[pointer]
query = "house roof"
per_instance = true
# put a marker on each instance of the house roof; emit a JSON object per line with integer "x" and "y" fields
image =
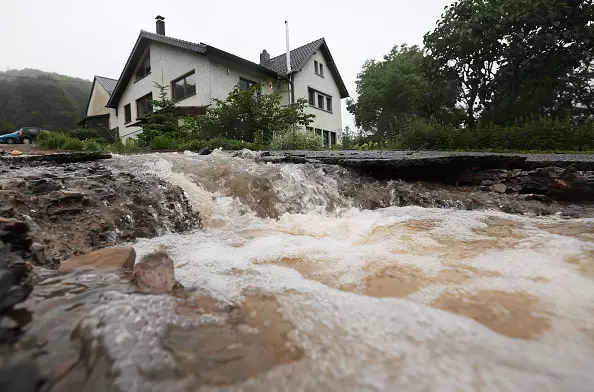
{"x": 107, "y": 83}
{"x": 301, "y": 55}
{"x": 299, "y": 58}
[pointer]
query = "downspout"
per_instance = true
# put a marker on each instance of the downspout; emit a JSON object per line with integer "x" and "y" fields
{"x": 289, "y": 77}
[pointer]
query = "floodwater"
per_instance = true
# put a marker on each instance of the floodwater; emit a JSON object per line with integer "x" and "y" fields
{"x": 330, "y": 297}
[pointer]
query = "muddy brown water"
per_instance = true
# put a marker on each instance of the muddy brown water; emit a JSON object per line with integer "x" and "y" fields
{"x": 293, "y": 287}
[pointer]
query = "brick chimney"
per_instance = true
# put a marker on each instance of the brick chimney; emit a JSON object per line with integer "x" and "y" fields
{"x": 160, "y": 25}
{"x": 264, "y": 57}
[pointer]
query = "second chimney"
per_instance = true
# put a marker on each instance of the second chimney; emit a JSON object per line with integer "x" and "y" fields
{"x": 160, "y": 25}
{"x": 264, "y": 57}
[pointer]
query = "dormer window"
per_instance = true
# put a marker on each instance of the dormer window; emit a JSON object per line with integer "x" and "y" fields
{"x": 145, "y": 67}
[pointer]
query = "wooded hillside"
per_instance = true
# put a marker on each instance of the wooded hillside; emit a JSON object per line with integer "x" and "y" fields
{"x": 30, "y": 97}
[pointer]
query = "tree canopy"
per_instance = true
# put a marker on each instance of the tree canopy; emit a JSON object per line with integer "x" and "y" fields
{"x": 515, "y": 59}
{"x": 51, "y": 101}
{"x": 504, "y": 62}
{"x": 398, "y": 86}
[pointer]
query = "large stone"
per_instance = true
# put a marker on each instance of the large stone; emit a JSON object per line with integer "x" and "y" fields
{"x": 499, "y": 188}
{"x": 154, "y": 274}
{"x": 103, "y": 258}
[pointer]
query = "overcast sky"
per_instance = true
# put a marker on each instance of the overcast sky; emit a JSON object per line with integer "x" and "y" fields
{"x": 83, "y": 38}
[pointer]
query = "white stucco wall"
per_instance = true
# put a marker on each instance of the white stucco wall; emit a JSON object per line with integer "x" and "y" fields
{"x": 326, "y": 85}
{"x": 113, "y": 119}
{"x": 214, "y": 79}
{"x": 99, "y": 98}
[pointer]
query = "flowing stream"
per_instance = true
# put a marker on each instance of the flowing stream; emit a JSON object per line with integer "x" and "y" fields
{"x": 395, "y": 298}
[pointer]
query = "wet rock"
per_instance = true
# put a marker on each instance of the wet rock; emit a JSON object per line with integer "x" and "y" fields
{"x": 499, "y": 188}
{"x": 154, "y": 274}
{"x": 38, "y": 252}
{"x": 42, "y": 185}
{"x": 101, "y": 259}
{"x": 18, "y": 372}
{"x": 113, "y": 207}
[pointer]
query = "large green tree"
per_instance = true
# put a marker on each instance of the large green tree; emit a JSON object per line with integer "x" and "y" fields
{"x": 397, "y": 87}
{"x": 515, "y": 59}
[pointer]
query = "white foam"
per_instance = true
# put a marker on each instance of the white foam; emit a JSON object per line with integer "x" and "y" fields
{"x": 356, "y": 342}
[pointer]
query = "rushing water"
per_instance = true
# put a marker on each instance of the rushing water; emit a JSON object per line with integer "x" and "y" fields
{"x": 396, "y": 298}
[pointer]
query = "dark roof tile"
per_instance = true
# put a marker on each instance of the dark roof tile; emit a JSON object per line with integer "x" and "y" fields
{"x": 299, "y": 57}
{"x": 180, "y": 43}
{"x": 107, "y": 83}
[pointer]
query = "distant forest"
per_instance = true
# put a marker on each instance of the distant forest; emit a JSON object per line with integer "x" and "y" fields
{"x": 30, "y": 97}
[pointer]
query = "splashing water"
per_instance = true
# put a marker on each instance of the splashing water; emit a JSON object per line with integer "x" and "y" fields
{"x": 398, "y": 298}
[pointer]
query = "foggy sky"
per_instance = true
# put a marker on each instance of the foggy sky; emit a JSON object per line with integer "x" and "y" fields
{"x": 82, "y": 38}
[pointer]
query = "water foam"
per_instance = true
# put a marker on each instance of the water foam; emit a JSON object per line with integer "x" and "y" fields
{"x": 285, "y": 230}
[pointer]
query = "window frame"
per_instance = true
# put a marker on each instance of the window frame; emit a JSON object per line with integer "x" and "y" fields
{"x": 250, "y": 83}
{"x": 316, "y": 67}
{"x": 321, "y": 70}
{"x": 183, "y": 77}
{"x": 321, "y": 102}
{"x": 146, "y": 55}
{"x": 316, "y": 95}
{"x": 149, "y": 105}
{"x": 127, "y": 114}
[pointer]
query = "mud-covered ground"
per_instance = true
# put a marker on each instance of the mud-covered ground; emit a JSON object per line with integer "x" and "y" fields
{"x": 302, "y": 276}
{"x": 75, "y": 208}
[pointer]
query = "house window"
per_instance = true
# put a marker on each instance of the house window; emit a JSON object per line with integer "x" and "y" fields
{"x": 321, "y": 73}
{"x": 144, "y": 105}
{"x": 145, "y": 67}
{"x": 319, "y": 132}
{"x": 326, "y": 139}
{"x": 245, "y": 84}
{"x": 321, "y": 101}
{"x": 332, "y": 138}
{"x": 127, "y": 113}
{"x": 316, "y": 67}
{"x": 184, "y": 87}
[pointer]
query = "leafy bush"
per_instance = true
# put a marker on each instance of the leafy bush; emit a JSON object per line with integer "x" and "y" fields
{"x": 83, "y": 133}
{"x": 51, "y": 140}
{"x": 59, "y": 141}
{"x": 296, "y": 139}
{"x": 92, "y": 145}
{"x": 534, "y": 135}
{"x": 73, "y": 144}
{"x": 164, "y": 142}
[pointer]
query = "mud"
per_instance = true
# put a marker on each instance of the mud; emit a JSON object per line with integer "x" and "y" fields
{"x": 76, "y": 208}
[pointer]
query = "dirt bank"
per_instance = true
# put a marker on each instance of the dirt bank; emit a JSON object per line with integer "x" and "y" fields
{"x": 77, "y": 207}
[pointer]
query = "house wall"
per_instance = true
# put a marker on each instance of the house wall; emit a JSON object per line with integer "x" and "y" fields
{"x": 99, "y": 98}
{"x": 113, "y": 119}
{"x": 327, "y": 85}
{"x": 215, "y": 78}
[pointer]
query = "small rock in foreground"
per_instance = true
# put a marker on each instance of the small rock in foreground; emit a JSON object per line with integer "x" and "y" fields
{"x": 154, "y": 274}
{"x": 103, "y": 258}
{"x": 499, "y": 188}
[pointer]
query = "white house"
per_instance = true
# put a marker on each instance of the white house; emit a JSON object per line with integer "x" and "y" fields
{"x": 196, "y": 73}
{"x": 98, "y": 115}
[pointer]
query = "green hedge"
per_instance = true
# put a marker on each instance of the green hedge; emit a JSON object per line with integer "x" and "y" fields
{"x": 537, "y": 135}
{"x": 59, "y": 141}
